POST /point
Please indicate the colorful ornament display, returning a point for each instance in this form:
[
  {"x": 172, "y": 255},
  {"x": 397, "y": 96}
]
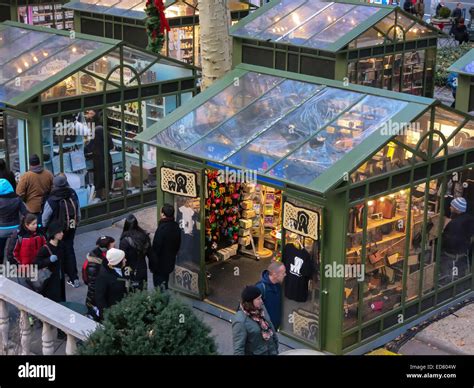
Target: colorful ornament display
[
  {"x": 222, "y": 208},
  {"x": 156, "y": 24}
]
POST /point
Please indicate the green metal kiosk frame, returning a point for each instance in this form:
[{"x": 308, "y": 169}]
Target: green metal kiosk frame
[
  {"x": 429, "y": 139},
  {"x": 129, "y": 24},
  {"x": 464, "y": 91},
  {"x": 372, "y": 45},
  {"x": 34, "y": 110}
]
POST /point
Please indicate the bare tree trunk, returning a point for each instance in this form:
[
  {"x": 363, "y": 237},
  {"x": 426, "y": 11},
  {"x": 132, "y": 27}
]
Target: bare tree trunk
[{"x": 216, "y": 44}]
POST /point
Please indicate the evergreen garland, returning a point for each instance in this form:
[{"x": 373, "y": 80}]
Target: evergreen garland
[{"x": 155, "y": 24}]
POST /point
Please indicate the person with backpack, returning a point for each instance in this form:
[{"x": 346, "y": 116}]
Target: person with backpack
[
  {"x": 35, "y": 185},
  {"x": 62, "y": 206},
  {"x": 90, "y": 270},
  {"x": 270, "y": 287},
  {"x": 11, "y": 208},
  {"x": 452, "y": 83},
  {"x": 51, "y": 256},
  {"x": 136, "y": 244},
  {"x": 112, "y": 283},
  {"x": 24, "y": 244}
]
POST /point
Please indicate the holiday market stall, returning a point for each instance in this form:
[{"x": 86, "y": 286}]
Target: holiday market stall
[
  {"x": 367, "y": 44},
  {"x": 464, "y": 68},
  {"x": 46, "y": 13},
  {"x": 78, "y": 101},
  {"x": 125, "y": 19},
  {"x": 271, "y": 165}
]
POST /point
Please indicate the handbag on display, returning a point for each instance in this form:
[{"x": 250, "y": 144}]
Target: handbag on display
[
  {"x": 389, "y": 208},
  {"x": 78, "y": 160},
  {"x": 393, "y": 259},
  {"x": 386, "y": 229},
  {"x": 376, "y": 306}
]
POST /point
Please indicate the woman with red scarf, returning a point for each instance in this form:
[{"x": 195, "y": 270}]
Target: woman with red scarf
[{"x": 252, "y": 330}]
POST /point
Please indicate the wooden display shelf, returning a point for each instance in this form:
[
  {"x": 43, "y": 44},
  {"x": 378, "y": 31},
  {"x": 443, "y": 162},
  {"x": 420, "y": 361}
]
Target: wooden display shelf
[
  {"x": 378, "y": 223},
  {"x": 390, "y": 237}
]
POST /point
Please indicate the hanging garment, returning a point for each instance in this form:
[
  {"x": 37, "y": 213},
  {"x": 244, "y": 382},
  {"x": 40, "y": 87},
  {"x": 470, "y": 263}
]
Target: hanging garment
[{"x": 299, "y": 270}]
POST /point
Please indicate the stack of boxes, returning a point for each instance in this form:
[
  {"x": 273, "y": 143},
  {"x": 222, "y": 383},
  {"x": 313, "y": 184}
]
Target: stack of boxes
[{"x": 248, "y": 214}]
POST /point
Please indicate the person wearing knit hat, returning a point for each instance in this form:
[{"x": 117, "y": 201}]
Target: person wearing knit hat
[
  {"x": 90, "y": 271},
  {"x": 253, "y": 332},
  {"x": 112, "y": 284},
  {"x": 456, "y": 242},
  {"x": 459, "y": 205},
  {"x": 115, "y": 257},
  {"x": 60, "y": 181}
]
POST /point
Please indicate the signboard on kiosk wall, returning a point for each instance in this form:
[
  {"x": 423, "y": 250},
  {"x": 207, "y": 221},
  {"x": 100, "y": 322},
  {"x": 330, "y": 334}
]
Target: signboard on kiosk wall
[
  {"x": 301, "y": 221},
  {"x": 179, "y": 182}
]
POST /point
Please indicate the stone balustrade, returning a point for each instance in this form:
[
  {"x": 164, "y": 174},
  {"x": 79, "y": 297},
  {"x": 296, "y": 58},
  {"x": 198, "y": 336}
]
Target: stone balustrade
[{"x": 51, "y": 314}]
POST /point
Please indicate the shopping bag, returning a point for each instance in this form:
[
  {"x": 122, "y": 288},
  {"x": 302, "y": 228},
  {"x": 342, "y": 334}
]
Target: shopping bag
[{"x": 78, "y": 160}]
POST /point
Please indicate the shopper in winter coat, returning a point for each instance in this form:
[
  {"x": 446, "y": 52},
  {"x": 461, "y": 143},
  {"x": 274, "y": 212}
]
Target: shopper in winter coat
[
  {"x": 457, "y": 12},
  {"x": 112, "y": 283},
  {"x": 5, "y": 173},
  {"x": 35, "y": 185},
  {"x": 94, "y": 262},
  {"x": 24, "y": 244},
  {"x": 136, "y": 244},
  {"x": 165, "y": 247},
  {"x": 457, "y": 240},
  {"x": 452, "y": 83},
  {"x": 420, "y": 8},
  {"x": 62, "y": 206},
  {"x": 460, "y": 32},
  {"x": 252, "y": 330},
  {"x": 11, "y": 208},
  {"x": 52, "y": 256},
  {"x": 270, "y": 287}
]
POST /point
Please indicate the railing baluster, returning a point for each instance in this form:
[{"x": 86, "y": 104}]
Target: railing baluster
[
  {"x": 71, "y": 346},
  {"x": 25, "y": 333},
  {"x": 4, "y": 327},
  {"x": 47, "y": 337}
]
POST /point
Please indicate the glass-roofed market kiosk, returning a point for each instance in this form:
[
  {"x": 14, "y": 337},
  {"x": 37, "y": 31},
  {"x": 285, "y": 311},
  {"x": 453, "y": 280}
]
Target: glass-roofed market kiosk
[
  {"x": 78, "y": 101},
  {"x": 463, "y": 68},
  {"x": 271, "y": 164},
  {"x": 125, "y": 19},
  {"x": 367, "y": 44}
]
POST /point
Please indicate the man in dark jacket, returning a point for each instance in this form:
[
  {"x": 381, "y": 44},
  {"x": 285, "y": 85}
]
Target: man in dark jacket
[
  {"x": 456, "y": 242},
  {"x": 11, "y": 206},
  {"x": 60, "y": 206},
  {"x": 457, "y": 12},
  {"x": 165, "y": 247},
  {"x": 270, "y": 287},
  {"x": 112, "y": 284}
]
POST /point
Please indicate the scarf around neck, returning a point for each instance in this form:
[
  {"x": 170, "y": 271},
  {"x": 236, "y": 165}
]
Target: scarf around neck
[{"x": 259, "y": 317}]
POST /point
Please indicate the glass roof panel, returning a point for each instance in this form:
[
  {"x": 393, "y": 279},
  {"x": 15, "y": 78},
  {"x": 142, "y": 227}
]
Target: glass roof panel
[
  {"x": 34, "y": 57},
  {"x": 189, "y": 129},
  {"x": 273, "y": 15},
  {"x": 10, "y": 34},
  {"x": 52, "y": 65},
  {"x": 24, "y": 43},
  {"x": 123, "y": 7},
  {"x": 342, "y": 26},
  {"x": 318, "y": 23},
  {"x": 288, "y": 133},
  {"x": 292, "y": 21},
  {"x": 418, "y": 32},
  {"x": 404, "y": 21},
  {"x": 82, "y": 5},
  {"x": 160, "y": 72},
  {"x": 369, "y": 38},
  {"x": 331, "y": 144},
  {"x": 386, "y": 23},
  {"x": 179, "y": 9},
  {"x": 254, "y": 119},
  {"x": 469, "y": 68}
]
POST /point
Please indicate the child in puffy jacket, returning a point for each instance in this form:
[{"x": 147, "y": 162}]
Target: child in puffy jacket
[{"x": 24, "y": 244}]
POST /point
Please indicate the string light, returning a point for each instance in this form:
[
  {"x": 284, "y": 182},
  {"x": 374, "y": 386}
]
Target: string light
[{"x": 370, "y": 203}]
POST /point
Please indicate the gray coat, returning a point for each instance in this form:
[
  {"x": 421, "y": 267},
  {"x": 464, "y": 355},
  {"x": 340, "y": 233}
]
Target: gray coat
[{"x": 248, "y": 338}]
